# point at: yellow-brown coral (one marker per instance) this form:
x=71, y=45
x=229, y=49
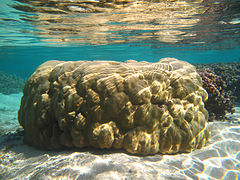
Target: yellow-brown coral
x=142, y=107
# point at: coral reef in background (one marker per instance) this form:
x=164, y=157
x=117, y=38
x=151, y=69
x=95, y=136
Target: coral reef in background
x=141, y=107
x=230, y=73
x=219, y=102
x=10, y=84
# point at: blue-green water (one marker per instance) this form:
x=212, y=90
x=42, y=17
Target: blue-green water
x=23, y=60
x=32, y=32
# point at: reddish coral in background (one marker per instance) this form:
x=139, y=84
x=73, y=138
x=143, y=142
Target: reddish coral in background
x=219, y=102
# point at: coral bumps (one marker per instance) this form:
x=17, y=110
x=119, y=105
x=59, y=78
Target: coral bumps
x=219, y=102
x=141, y=107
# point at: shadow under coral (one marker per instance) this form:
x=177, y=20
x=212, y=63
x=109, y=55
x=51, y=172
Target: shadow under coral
x=220, y=158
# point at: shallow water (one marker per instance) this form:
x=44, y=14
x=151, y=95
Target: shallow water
x=219, y=159
x=32, y=32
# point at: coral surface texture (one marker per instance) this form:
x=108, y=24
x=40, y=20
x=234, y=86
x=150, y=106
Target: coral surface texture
x=142, y=107
x=219, y=102
x=230, y=73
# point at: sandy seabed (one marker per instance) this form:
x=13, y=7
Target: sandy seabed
x=219, y=159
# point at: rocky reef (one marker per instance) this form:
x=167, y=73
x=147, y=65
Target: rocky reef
x=219, y=102
x=230, y=73
x=10, y=84
x=141, y=107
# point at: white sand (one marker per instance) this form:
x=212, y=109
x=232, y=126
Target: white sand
x=220, y=159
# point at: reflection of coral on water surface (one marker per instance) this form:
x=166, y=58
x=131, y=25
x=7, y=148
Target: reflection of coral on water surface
x=118, y=21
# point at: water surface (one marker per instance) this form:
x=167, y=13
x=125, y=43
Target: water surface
x=200, y=31
x=197, y=31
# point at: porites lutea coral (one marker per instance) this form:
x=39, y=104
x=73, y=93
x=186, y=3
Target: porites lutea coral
x=141, y=107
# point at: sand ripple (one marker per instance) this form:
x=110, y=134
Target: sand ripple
x=220, y=159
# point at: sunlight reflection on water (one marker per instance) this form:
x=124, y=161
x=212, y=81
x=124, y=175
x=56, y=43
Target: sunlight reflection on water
x=99, y=23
